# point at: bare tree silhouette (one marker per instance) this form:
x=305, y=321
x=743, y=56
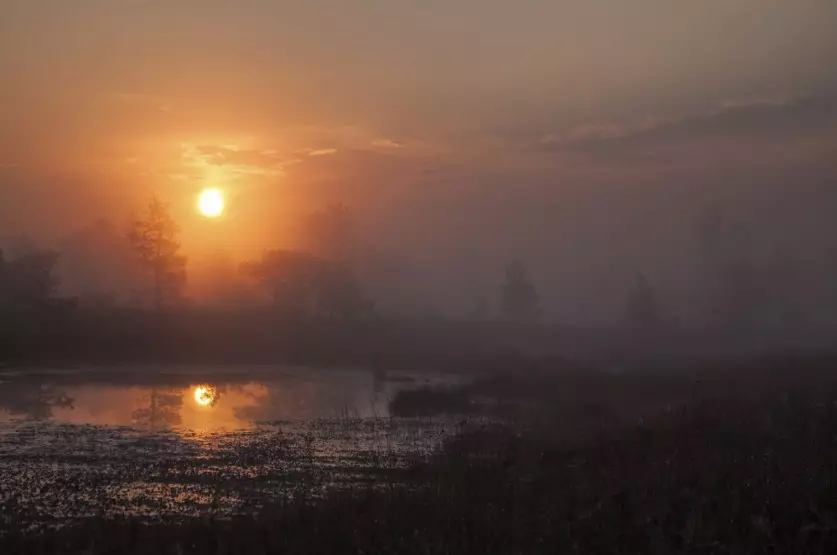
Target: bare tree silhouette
x=27, y=280
x=154, y=239
x=304, y=285
x=331, y=232
x=98, y=265
x=643, y=307
x=519, y=298
x=289, y=277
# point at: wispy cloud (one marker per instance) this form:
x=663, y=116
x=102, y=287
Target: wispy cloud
x=231, y=161
x=766, y=118
x=387, y=143
x=322, y=152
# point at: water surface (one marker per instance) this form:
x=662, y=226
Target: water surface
x=168, y=442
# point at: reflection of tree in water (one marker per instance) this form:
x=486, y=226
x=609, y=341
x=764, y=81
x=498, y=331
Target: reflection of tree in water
x=309, y=398
x=35, y=401
x=162, y=410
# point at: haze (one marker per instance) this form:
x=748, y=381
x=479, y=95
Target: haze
x=584, y=138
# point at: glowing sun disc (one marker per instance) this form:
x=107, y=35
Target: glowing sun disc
x=211, y=203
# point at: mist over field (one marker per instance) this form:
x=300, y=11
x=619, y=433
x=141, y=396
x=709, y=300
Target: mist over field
x=439, y=276
x=590, y=142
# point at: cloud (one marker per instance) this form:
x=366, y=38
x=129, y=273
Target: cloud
x=763, y=119
x=763, y=137
x=387, y=143
x=322, y=152
x=764, y=100
x=370, y=176
x=231, y=155
x=231, y=161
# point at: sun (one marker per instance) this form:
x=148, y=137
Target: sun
x=205, y=395
x=211, y=203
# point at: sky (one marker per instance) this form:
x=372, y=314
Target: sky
x=579, y=135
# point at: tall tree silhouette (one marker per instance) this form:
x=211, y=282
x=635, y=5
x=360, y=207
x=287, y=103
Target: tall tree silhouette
x=302, y=284
x=740, y=301
x=28, y=280
x=784, y=285
x=217, y=279
x=643, y=308
x=339, y=294
x=735, y=297
x=98, y=265
x=288, y=276
x=154, y=239
x=479, y=309
x=331, y=233
x=519, y=297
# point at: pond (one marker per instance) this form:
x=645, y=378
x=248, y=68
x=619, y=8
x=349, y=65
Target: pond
x=184, y=441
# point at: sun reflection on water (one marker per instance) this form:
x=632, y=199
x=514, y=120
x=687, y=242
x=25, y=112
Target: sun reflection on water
x=205, y=395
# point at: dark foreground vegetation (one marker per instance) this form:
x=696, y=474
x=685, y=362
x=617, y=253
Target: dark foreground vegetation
x=736, y=461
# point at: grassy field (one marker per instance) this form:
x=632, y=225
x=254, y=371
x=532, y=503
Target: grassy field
x=734, y=460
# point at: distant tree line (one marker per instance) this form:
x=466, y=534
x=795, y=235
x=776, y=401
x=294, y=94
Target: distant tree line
x=27, y=280
x=320, y=278
x=743, y=290
x=305, y=285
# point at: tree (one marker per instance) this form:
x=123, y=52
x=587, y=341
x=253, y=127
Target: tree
x=154, y=240
x=338, y=292
x=4, y=286
x=215, y=279
x=831, y=284
x=302, y=284
x=33, y=400
x=643, y=309
x=741, y=302
x=784, y=285
x=519, y=297
x=330, y=232
x=163, y=410
x=734, y=285
x=288, y=276
x=28, y=280
x=98, y=265
x=711, y=232
x=479, y=309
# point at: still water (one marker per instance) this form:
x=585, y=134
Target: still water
x=174, y=442
x=198, y=399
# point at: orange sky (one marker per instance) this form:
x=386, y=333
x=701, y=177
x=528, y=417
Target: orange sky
x=429, y=119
